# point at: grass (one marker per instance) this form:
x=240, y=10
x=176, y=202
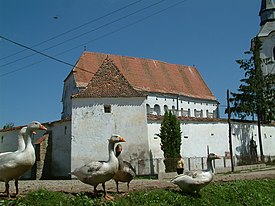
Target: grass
x=241, y=192
x=146, y=177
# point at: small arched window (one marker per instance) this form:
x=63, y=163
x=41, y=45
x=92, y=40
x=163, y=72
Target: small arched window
x=156, y=109
x=148, y=110
x=173, y=110
x=165, y=108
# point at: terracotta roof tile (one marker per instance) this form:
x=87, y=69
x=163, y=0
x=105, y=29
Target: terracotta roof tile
x=146, y=75
x=109, y=82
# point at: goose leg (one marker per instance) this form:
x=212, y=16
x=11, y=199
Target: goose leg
x=106, y=196
x=128, y=187
x=95, y=191
x=117, y=186
x=16, y=187
x=7, y=189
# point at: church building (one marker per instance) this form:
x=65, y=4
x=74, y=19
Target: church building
x=106, y=94
x=267, y=34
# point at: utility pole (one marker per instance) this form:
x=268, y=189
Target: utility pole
x=230, y=134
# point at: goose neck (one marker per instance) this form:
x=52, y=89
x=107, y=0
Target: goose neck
x=21, y=143
x=210, y=165
x=111, y=150
x=29, y=140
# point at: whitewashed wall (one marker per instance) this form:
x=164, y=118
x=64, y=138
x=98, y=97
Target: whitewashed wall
x=91, y=127
x=199, y=137
x=69, y=89
x=180, y=105
x=196, y=138
x=9, y=140
x=61, y=148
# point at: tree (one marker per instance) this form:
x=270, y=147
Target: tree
x=170, y=135
x=256, y=93
x=8, y=125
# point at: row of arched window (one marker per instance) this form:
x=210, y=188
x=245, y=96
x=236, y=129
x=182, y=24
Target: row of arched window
x=185, y=113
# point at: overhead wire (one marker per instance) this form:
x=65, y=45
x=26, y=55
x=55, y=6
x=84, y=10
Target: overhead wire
x=103, y=36
x=75, y=28
x=85, y=33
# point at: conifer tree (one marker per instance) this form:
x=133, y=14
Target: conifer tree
x=255, y=97
x=170, y=135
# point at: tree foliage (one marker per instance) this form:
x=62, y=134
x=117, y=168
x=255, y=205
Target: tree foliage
x=256, y=94
x=8, y=125
x=170, y=135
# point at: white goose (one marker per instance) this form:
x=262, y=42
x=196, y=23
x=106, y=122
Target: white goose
x=20, y=148
x=125, y=171
x=194, y=181
x=97, y=172
x=14, y=164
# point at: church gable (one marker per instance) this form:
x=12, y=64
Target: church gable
x=109, y=82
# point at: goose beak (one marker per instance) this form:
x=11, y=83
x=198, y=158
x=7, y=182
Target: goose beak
x=218, y=157
x=42, y=127
x=121, y=139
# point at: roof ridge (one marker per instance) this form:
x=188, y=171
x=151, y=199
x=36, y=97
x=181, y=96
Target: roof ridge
x=155, y=76
x=140, y=58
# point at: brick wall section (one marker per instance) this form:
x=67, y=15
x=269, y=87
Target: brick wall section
x=41, y=169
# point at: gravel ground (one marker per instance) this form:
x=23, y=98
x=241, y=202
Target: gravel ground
x=75, y=186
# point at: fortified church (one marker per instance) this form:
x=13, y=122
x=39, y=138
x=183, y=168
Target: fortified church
x=107, y=94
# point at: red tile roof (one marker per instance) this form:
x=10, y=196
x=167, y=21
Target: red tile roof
x=146, y=75
x=109, y=82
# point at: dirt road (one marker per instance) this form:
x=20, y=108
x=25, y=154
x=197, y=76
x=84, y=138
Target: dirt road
x=75, y=186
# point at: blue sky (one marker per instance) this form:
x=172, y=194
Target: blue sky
x=208, y=34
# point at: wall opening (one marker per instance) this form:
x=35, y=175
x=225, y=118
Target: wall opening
x=165, y=108
x=148, y=110
x=107, y=108
x=156, y=109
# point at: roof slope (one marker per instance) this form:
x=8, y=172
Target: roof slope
x=109, y=82
x=146, y=75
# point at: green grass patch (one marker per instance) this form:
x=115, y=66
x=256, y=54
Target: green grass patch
x=237, y=193
x=146, y=177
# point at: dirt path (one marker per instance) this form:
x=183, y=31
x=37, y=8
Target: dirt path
x=75, y=186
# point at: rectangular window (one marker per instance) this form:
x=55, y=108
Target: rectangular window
x=107, y=108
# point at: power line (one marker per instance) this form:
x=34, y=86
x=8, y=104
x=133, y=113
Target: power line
x=75, y=28
x=103, y=36
x=34, y=50
x=85, y=33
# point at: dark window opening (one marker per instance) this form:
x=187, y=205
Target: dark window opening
x=65, y=130
x=107, y=108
